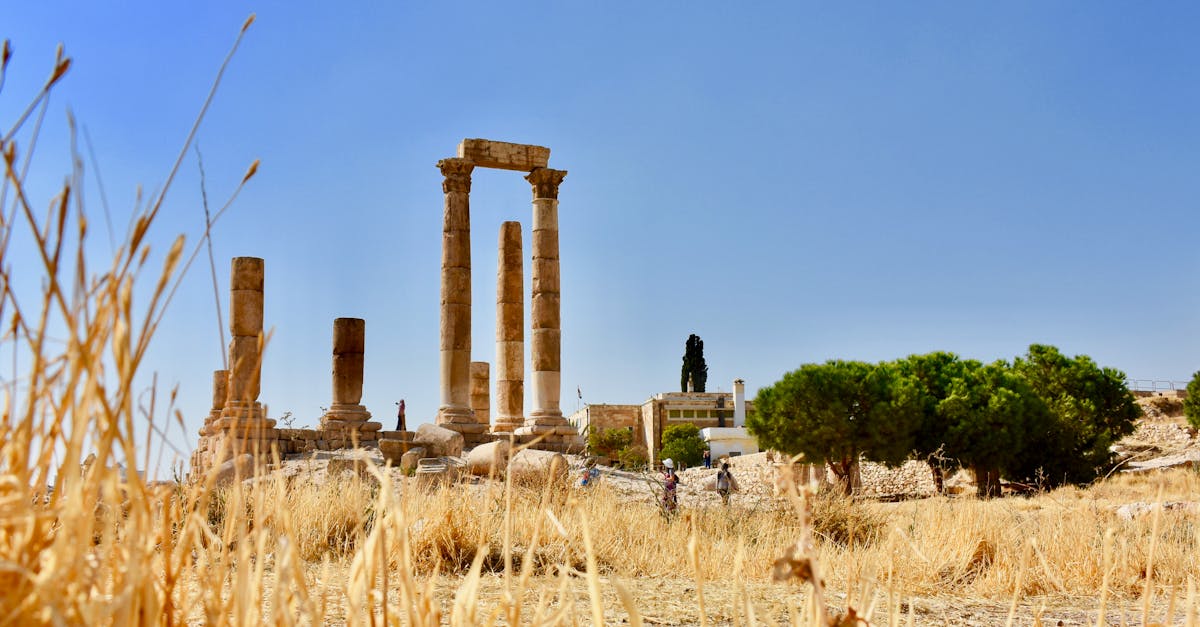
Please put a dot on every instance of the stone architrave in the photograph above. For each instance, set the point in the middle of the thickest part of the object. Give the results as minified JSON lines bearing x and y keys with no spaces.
{"x":243,"y":419}
{"x":510,"y":331}
{"x":346,"y":414}
{"x":546,"y":343}
{"x":455,"y":347}
{"x":481,"y":398}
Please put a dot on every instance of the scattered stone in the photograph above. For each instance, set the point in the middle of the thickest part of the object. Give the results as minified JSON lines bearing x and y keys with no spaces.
{"x":240,"y":467}
{"x":409,"y":460}
{"x":439,"y":441}
{"x":1187,"y":459}
{"x":1131,"y":511}
{"x":488,"y":459}
{"x":534,"y":465}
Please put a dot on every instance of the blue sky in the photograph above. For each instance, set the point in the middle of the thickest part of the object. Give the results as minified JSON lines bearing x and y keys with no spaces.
{"x":791,"y":181}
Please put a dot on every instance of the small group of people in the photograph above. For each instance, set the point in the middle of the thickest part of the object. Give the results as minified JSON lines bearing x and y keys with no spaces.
{"x":726,"y":484}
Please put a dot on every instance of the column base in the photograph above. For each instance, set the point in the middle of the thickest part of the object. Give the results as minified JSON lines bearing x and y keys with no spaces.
{"x":451,"y":415}
{"x":508,"y":424}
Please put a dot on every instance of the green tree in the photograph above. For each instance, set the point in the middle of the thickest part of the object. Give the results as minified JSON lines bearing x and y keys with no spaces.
{"x":1090,"y":408}
{"x":683,"y":443}
{"x":988,"y":414}
{"x":693,"y":364}
{"x":838,"y":412}
{"x":1191,"y":404}
{"x":933,"y":373}
{"x":608,"y":442}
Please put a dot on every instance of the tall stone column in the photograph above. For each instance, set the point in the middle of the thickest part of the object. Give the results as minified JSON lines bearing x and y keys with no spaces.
{"x":346,"y":417}
{"x":243,"y":416}
{"x":455,"y":349}
{"x":481,"y":397}
{"x":510,"y":331}
{"x":546,"y":345}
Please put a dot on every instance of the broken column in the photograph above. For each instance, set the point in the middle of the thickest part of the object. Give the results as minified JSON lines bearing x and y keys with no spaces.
{"x":546,"y":345}
{"x":510,"y":331}
{"x":202,"y":456}
{"x":243,"y":420}
{"x":455,"y":350}
{"x":481,"y":398}
{"x":347,"y":419}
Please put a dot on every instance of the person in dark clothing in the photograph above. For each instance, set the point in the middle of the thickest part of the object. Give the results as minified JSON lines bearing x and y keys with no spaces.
{"x":400,"y":426}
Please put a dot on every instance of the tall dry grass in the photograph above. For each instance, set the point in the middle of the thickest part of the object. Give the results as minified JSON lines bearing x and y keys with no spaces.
{"x":102,"y":549}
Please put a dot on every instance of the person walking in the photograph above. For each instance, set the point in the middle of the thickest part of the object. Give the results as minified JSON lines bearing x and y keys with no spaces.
{"x":707,"y":458}
{"x":725,"y":483}
{"x":670,"y":483}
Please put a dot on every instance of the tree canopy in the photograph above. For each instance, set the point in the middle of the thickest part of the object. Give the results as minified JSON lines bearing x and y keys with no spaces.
{"x":837,"y":412}
{"x":1045,"y":417}
{"x":1191,"y":404}
{"x":683,"y":443}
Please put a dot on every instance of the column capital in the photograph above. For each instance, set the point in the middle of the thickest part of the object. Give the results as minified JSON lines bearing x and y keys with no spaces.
{"x":545,"y":182}
{"x":458,"y":174}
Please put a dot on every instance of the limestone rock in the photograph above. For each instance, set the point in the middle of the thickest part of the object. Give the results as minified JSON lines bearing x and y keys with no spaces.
{"x":394,"y":450}
{"x":410,"y":458}
{"x":1187,"y":459}
{"x":242,"y":467}
{"x":439,"y":441}
{"x":1131,"y":511}
{"x":488,"y":459}
{"x":534,"y":465}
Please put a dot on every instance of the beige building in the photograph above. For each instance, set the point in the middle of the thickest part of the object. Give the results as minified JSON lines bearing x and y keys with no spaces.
{"x":648,"y":421}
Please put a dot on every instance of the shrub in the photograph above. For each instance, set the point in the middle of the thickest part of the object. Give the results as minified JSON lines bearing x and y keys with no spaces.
{"x":683,"y":443}
{"x":608,"y":442}
{"x":1191,"y":404}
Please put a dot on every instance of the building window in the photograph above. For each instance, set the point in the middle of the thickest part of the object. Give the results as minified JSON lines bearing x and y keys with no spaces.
{"x":689,"y":413}
{"x":673,"y":413}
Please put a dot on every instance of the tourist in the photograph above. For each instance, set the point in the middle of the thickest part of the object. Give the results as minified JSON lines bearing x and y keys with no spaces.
{"x":670,"y":483}
{"x":400,"y":416}
{"x":725,"y":482}
{"x":591,"y":474}
{"x":707,"y":458}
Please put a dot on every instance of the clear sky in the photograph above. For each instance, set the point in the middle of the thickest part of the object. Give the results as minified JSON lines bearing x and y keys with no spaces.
{"x":791,"y":181}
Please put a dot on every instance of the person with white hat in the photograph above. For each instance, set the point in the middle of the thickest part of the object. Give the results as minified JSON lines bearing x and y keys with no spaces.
{"x":670,"y":482}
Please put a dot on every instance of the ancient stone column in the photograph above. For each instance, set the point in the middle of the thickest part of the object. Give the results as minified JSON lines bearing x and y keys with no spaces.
{"x":220,"y":395}
{"x":455,"y":349}
{"x":345,"y":415}
{"x":545,"y":346}
{"x":481,"y":397}
{"x":510,"y":331}
{"x":243,"y":416}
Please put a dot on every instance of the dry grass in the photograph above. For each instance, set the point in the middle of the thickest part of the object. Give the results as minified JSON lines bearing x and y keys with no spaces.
{"x":100,"y":550}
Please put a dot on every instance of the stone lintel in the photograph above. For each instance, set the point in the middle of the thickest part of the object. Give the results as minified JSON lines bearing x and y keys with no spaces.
{"x":486,"y":153}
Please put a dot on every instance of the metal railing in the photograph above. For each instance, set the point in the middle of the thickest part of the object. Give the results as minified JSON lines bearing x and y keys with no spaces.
{"x":1155,"y":385}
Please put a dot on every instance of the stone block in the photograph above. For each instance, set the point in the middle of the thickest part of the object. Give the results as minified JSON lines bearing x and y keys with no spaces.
{"x":456,"y":285}
{"x":545,"y":246}
{"x":486,"y":153}
{"x":349,"y":335}
{"x":438,"y":440}
{"x":245,"y":313}
{"x":455,"y":329}
{"x":408,"y":461}
{"x":220,"y":389}
{"x":510,"y":323}
{"x":394,"y":450}
{"x":406,"y":436}
{"x":246,"y":273}
{"x":355,"y":465}
{"x":547,"y":350}
{"x":488,"y":459}
{"x":241,"y":466}
{"x":534,"y":465}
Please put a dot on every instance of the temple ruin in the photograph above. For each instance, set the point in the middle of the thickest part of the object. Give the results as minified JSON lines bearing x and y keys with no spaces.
{"x":237,"y":423}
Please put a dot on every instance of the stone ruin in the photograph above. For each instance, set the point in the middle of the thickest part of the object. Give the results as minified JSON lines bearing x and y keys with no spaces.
{"x":237,"y":423}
